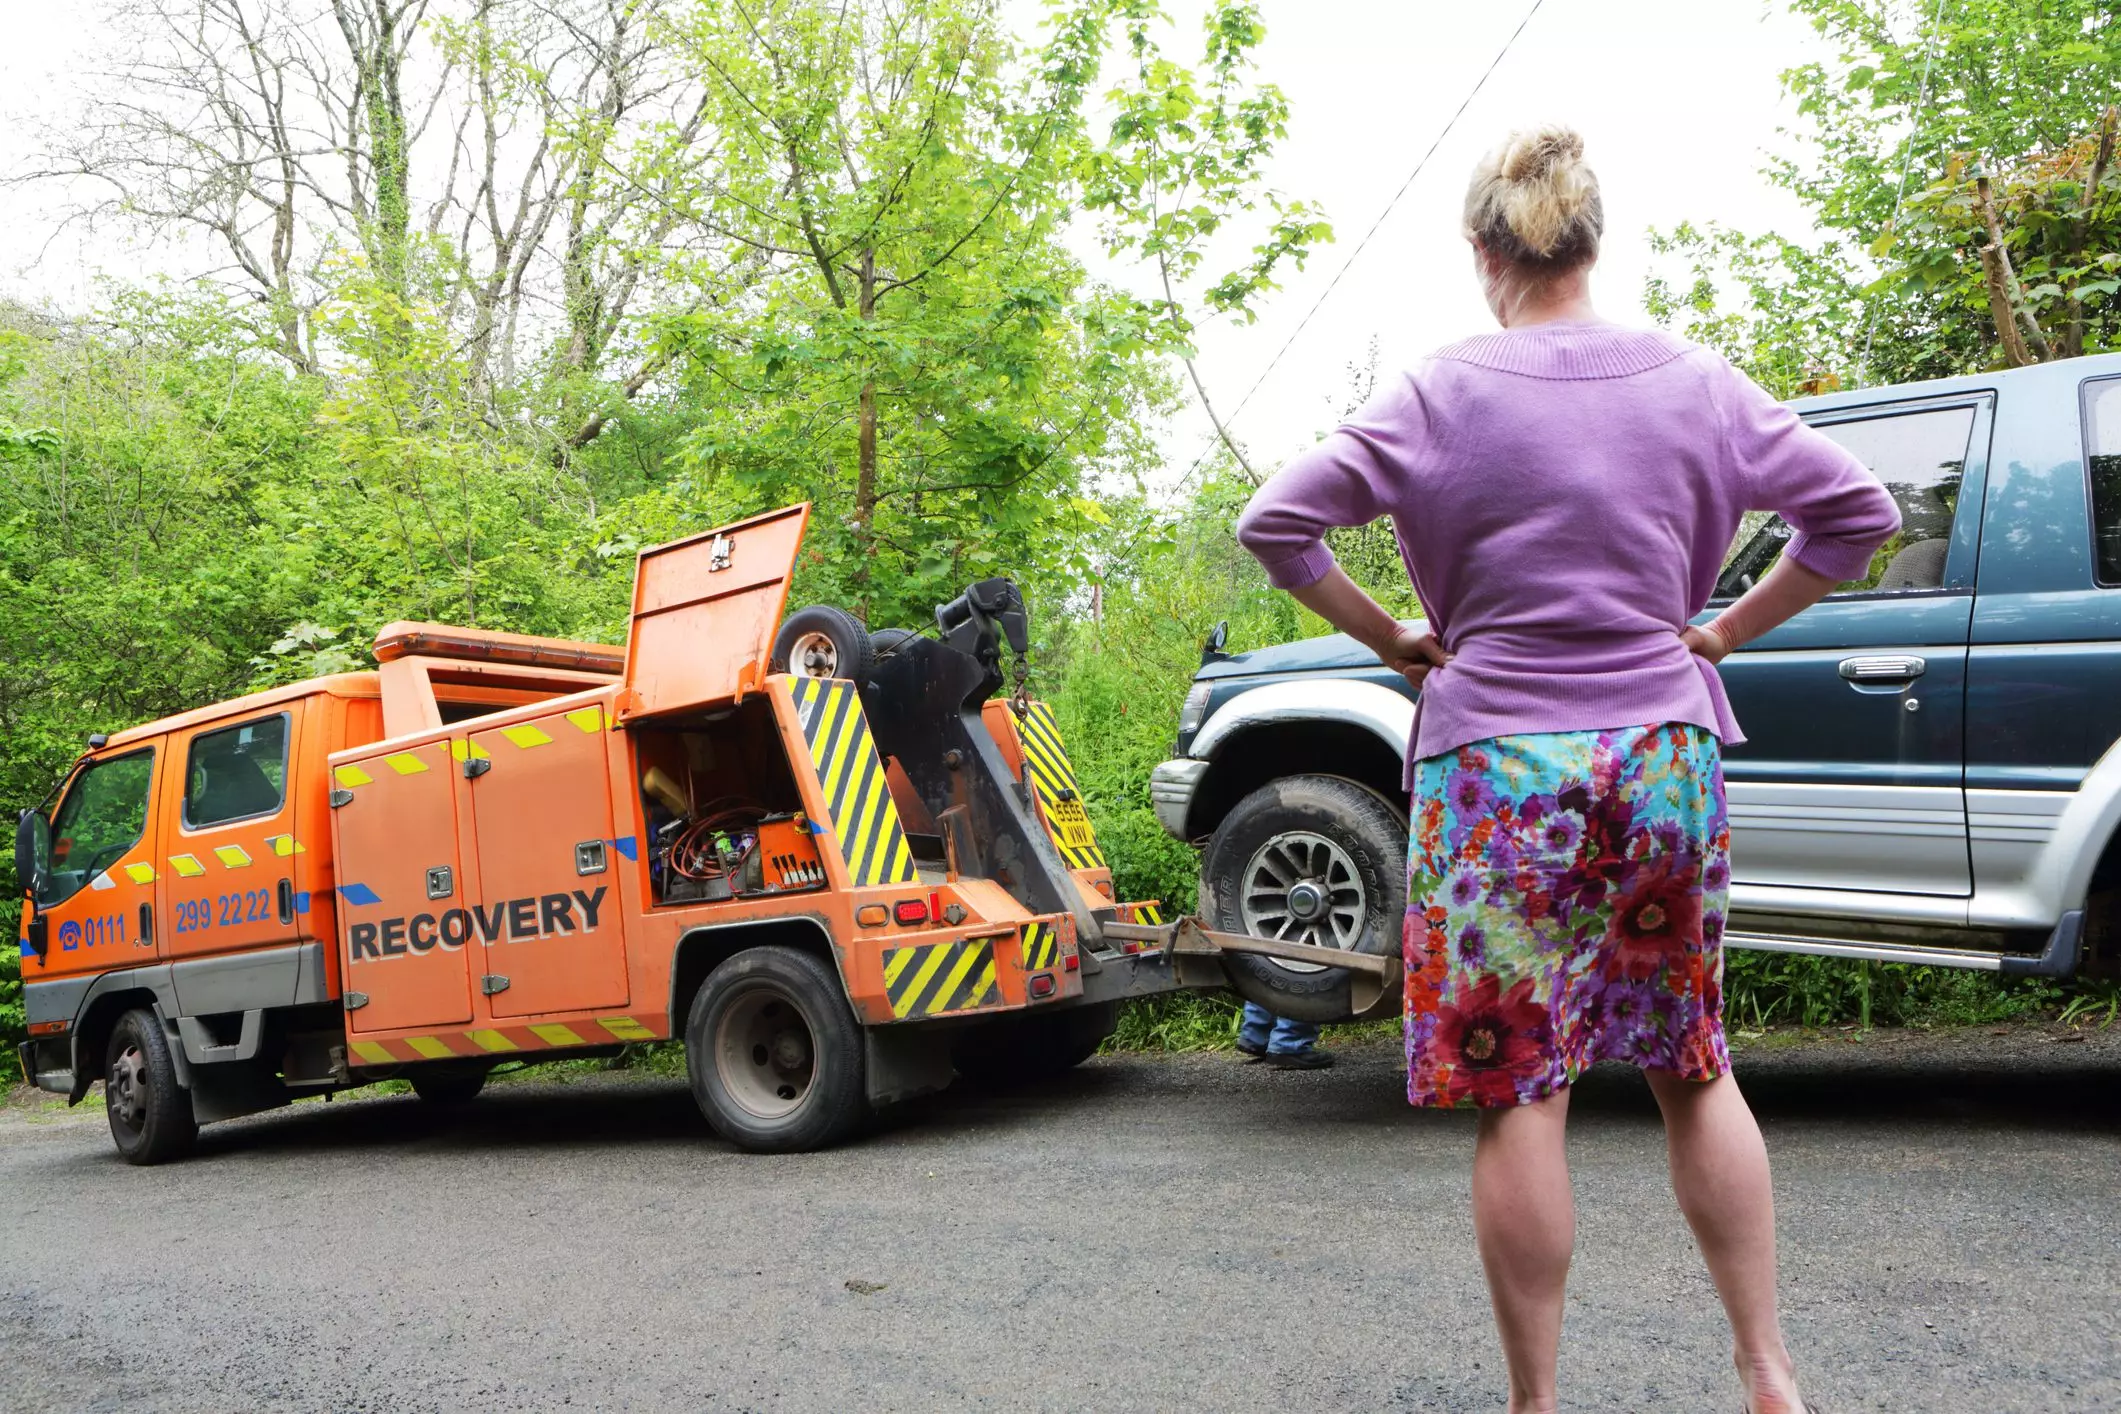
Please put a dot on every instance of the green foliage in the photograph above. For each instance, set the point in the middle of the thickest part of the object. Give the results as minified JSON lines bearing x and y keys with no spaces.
{"x":2017,"y":90}
{"x":1781,"y":989}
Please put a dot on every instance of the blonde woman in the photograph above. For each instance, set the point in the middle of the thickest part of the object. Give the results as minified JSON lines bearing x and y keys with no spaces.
{"x":1564,"y":492}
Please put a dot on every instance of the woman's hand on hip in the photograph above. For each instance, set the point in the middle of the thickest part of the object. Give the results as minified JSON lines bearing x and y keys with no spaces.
{"x":1703,"y":641}
{"x":1414,"y":654}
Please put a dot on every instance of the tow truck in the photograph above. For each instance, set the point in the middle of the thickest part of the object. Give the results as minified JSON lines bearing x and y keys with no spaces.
{"x":842,"y":868}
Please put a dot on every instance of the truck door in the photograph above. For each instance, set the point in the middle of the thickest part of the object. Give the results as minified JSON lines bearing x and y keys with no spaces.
{"x":98,"y":896}
{"x":402,"y":926}
{"x":548,"y":915}
{"x":229,"y":881}
{"x":1855,"y":711}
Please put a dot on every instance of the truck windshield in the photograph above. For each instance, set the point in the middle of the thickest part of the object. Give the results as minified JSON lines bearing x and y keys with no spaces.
{"x":103,"y":815}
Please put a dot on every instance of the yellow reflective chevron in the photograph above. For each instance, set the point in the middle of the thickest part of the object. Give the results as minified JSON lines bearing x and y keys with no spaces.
{"x":941,"y":977}
{"x":1060,"y":796}
{"x":851,"y":775}
{"x":1041,"y":946}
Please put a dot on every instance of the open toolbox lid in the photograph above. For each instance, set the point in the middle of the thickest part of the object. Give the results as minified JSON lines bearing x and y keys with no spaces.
{"x":705,"y":610}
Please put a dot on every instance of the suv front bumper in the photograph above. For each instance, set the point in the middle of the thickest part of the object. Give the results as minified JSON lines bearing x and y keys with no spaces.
{"x":1171,"y":788}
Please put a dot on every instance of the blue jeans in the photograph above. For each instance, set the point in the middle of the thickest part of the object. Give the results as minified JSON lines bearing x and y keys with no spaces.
{"x":1277,"y":1035}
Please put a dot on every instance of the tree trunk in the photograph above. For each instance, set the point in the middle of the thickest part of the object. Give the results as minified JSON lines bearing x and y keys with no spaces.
{"x":865,"y":457}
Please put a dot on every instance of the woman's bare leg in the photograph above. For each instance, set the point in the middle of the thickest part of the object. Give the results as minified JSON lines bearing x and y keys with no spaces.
{"x":1525,"y":1218}
{"x":1720,"y":1175}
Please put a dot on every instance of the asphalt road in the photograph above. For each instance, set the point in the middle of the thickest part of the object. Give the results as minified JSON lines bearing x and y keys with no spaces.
{"x":1148,"y":1233}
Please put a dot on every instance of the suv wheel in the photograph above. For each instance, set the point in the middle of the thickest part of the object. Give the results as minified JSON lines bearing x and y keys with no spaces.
{"x":1307,"y":859}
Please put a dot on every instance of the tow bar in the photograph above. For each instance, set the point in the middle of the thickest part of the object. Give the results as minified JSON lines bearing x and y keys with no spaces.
{"x":1193,"y":956}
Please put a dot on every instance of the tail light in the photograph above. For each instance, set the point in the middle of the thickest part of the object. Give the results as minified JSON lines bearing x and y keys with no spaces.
{"x":908,"y":911}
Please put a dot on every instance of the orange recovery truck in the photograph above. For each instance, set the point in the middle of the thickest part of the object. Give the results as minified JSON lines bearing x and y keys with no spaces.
{"x":841,"y":868}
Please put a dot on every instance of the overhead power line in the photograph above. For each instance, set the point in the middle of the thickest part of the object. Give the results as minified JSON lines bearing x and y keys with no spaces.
{"x":1353,"y":255}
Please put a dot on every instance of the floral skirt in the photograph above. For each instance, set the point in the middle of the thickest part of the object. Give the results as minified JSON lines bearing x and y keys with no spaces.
{"x":1565,"y":903}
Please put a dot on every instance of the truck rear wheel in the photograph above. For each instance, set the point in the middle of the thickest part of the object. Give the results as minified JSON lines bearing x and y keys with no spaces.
{"x":1020,"y":1048}
{"x":774,"y":1053}
{"x":1307,"y":859}
{"x":150,"y":1114}
{"x":447,"y":1087}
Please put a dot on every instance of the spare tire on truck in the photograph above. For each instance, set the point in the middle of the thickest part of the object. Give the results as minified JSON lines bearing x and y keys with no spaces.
{"x":1307,"y":859}
{"x":824,"y":642}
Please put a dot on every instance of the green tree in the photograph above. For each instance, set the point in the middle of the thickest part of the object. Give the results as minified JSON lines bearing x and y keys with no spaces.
{"x":1953,"y":170}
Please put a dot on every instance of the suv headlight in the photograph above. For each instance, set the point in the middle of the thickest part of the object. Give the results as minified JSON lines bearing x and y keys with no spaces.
{"x":1194,"y":712}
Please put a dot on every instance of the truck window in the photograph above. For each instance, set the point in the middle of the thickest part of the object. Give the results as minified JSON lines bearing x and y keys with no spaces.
{"x":102,"y":817}
{"x":1921,"y":458}
{"x":2102,"y":453}
{"x":236,"y":773}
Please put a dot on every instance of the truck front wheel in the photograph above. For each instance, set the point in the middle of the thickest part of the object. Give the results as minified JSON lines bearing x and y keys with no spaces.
{"x":774,"y":1053}
{"x":150,"y":1114}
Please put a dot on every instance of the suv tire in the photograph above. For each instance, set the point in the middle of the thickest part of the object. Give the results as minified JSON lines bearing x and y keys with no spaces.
{"x":1317,"y":859}
{"x":150,"y":1114}
{"x":774,"y":1053}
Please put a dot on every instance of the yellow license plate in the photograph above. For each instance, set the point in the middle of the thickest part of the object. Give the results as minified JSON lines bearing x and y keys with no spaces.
{"x":1071,"y":824}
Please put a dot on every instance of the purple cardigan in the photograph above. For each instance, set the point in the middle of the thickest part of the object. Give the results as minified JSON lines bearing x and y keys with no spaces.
{"x":1564,"y":496}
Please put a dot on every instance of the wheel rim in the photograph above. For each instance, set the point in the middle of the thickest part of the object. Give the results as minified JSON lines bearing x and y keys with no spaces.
{"x":765,"y":1053}
{"x":815,"y":655}
{"x":1301,"y":887}
{"x":125,"y":1090}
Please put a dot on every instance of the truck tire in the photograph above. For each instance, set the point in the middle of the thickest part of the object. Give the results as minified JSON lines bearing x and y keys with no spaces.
{"x":1307,"y":859}
{"x":824,"y":642}
{"x":150,"y":1114}
{"x":1011,"y":1050}
{"x":446,"y":1087}
{"x":774,"y":1053}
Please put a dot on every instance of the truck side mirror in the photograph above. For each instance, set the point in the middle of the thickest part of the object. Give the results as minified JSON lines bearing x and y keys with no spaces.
{"x":33,"y":851}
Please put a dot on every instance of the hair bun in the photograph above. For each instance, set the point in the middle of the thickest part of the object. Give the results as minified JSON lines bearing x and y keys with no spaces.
{"x":1535,"y":155}
{"x":1535,"y":201}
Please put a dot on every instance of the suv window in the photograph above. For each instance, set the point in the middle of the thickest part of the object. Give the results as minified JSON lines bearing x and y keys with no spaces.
{"x":2102,"y":448}
{"x":236,"y":773}
{"x":1921,"y":458}
{"x":101,"y":818}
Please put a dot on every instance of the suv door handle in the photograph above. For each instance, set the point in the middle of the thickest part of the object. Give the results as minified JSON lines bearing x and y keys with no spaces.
{"x":1887,"y":667}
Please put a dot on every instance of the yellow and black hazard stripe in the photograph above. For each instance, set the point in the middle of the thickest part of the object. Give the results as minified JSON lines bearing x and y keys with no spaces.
{"x":940,"y":977}
{"x":1143,"y":912}
{"x":1060,"y":795}
{"x":872,"y":840}
{"x":1041,"y":945}
{"x":500,"y":1039}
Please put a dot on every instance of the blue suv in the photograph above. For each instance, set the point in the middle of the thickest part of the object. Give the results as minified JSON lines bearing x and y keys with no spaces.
{"x":1932,"y":773}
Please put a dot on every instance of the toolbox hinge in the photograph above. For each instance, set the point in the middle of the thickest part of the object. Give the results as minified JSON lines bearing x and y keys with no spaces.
{"x":340,"y":795}
{"x":477,"y":766}
{"x":492,"y":983}
{"x":356,"y":1000}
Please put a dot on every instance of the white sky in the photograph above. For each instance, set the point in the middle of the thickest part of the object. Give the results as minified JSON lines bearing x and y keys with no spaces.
{"x":1678,"y":101}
